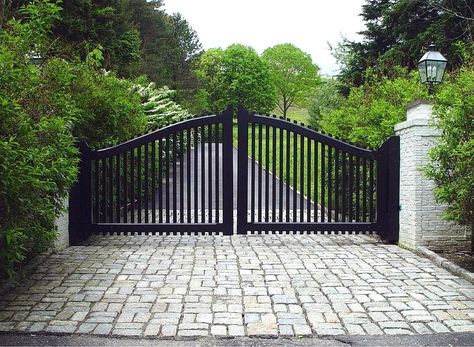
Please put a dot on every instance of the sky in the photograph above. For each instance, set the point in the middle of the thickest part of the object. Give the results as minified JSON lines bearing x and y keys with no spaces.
{"x":308,"y":24}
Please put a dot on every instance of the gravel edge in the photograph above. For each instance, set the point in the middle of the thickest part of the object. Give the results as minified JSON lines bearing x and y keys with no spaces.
{"x":446,"y":264}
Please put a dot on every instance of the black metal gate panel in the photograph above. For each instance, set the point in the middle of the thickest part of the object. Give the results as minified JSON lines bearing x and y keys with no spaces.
{"x":172,"y":180}
{"x":290,"y":178}
{"x":298,"y":179}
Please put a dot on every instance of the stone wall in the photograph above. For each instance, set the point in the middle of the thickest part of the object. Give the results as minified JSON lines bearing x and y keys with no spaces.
{"x":62,"y":224}
{"x":420,"y":215}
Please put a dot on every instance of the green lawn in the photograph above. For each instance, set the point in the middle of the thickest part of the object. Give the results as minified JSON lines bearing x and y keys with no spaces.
{"x":298,"y":114}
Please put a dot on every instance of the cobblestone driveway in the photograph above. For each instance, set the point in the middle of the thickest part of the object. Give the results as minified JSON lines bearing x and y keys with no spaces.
{"x":265,"y":285}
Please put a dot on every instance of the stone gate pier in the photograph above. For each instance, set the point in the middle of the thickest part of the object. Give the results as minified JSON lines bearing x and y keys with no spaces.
{"x":421,"y":222}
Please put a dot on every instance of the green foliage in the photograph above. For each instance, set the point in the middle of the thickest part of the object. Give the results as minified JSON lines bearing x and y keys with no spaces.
{"x":169,"y":46}
{"x":368,"y":115}
{"x":326,"y":99}
{"x":398,"y":33}
{"x":452,"y":159}
{"x":86,"y":24}
{"x":137,"y":37}
{"x":42,"y":109}
{"x":38,"y":159}
{"x":293,"y":74}
{"x":235,"y":76}
{"x":110,"y":111}
{"x":158,"y":104}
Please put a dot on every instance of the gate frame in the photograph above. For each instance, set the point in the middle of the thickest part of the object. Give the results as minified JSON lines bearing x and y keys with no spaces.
{"x":386,"y":224}
{"x":81,"y":225}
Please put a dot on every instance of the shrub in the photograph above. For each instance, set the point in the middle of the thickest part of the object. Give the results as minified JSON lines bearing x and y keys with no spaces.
{"x":38,"y":158}
{"x":158,"y":104}
{"x":368,"y":115}
{"x":452,"y":159}
{"x":110,"y":111}
{"x":43,"y":110}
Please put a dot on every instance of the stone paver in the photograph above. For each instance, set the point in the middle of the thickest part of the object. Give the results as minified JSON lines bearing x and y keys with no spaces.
{"x":228,"y":286}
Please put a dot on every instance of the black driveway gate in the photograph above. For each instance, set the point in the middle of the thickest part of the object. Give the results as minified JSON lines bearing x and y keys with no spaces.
{"x":308,"y":181}
{"x":290,"y":178}
{"x":167,"y":181}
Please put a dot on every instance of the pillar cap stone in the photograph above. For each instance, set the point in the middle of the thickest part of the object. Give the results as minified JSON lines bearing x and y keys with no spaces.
{"x":420,"y":109}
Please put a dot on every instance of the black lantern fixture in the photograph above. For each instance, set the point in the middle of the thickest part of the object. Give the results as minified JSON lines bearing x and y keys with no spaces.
{"x":431,"y":67}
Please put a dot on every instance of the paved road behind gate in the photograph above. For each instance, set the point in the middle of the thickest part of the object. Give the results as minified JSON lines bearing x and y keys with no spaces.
{"x":200,"y":174}
{"x":183,"y":287}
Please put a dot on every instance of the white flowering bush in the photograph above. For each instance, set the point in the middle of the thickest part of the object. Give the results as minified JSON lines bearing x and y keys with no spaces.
{"x":159,"y":106}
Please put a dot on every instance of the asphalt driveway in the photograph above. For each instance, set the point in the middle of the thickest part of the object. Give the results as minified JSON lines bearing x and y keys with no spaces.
{"x":205,"y":175}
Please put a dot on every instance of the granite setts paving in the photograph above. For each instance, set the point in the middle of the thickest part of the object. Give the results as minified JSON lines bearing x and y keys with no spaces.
{"x":229,"y":286}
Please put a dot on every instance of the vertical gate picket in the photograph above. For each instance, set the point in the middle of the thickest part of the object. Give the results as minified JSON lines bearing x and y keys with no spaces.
{"x":274,"y":155}
{"x":227,"y":174}
{"x":302,"y":153}
{"x":188,"y":175}
{"x":153,"y":182}
{"x":217,"y":171}
{"x":181,"y":176}
{"x":252,"y":179}
{"x":242,"y":179}
{"x":267,"y":168}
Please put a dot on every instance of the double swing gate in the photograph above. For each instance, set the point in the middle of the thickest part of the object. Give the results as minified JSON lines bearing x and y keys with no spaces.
{"x":280,"y":177}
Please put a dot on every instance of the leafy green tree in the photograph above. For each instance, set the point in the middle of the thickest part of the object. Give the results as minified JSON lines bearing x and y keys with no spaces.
{"x":87,"y":24}
{"x":183,"y":48}
{"x":398,"y":33}
{"x":452,"y":159}
{"x":136,"y":36}
{"x":169,"y":48}
{"x":369,"y":113}
{"x":235,"y":76}
{"x":326,"y":99}
{"x":293,"y":73}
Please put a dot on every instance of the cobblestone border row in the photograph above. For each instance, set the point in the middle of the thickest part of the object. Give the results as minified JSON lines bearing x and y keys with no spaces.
{"x":445,"y":264}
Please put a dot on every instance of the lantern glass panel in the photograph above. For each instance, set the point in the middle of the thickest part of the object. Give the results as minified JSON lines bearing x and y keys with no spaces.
{"x":422,"y":71}
{"x":440,"y":67}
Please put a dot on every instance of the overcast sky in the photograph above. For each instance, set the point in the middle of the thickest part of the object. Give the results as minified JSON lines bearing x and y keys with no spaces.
{"x":308,"y":24}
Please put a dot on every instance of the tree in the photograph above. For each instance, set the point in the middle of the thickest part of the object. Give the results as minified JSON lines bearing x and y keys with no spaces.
{"x":369,"y":113}
{"x":87,"y":24}
{"x":45,"y":110}
{"x":235,"y":76}
{"x":183,"y":48}
{"x":398,"y":33}
{"x":169,"y":45}
{"x":325,"y":99}
{"x":293,"y":73}
{"x":2,"y":12}
{"x":136,"y":36}
{"x":452,"y":163}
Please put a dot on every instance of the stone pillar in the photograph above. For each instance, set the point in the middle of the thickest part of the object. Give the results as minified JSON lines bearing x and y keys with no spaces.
{"x":420,"y":215}
{"x":62,"y":224}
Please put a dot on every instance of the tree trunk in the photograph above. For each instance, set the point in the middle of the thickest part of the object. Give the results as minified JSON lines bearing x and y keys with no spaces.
{"x":2,"y":12}
{"x":285,"y":108}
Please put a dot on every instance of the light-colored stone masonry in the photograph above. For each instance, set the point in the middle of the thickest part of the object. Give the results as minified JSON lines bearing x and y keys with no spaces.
{"x":420,"y":216}
{"x":62,"y":225}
